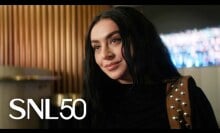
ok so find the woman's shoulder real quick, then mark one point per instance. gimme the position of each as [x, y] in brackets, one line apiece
[202, 111]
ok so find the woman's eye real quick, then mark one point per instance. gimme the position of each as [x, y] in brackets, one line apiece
[116, 41]
[96, 47]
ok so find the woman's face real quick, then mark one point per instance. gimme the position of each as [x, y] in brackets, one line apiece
[107, 45]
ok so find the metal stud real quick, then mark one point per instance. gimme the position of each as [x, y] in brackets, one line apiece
[175, 118]
[172, 107]
[177, 100]
[186, 114]
[181, 84]
[176, 89]
[171, 96]
[180, 121]
[172, 85]
[182, 93]
[183, 103]
[179, 110]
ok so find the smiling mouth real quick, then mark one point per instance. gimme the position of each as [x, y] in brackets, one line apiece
[112, 66]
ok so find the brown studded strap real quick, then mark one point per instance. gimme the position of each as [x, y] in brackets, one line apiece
[178, 103]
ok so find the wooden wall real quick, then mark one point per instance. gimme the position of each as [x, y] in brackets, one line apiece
[49, 37]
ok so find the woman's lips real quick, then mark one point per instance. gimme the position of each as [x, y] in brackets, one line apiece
[112, 66]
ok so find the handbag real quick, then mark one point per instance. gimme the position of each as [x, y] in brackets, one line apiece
[178, 103]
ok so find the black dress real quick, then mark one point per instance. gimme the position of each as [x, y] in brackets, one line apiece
[129, 107]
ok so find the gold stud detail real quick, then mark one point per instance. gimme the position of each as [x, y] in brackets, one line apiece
[177, 100]
[175, 118]
[172, 107]
[171, 96]
[178, 110]
[186, 114]
[181, 84]
[182, 93]
[176, 89]
[183, 103]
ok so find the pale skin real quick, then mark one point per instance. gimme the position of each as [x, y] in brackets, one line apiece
[107, 44]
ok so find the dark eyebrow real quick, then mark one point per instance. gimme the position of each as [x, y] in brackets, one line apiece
[111, 34]
[108, 36]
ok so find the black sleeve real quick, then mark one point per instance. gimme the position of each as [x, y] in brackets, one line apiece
[202, 113]
[85, 122]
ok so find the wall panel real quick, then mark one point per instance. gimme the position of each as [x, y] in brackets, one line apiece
[49, 37]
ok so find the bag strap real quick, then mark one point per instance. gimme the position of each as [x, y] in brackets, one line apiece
[178, 103]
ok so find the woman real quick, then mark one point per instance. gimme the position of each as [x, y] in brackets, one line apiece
[126, 66]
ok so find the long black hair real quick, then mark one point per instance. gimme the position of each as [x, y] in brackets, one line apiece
[148, 63]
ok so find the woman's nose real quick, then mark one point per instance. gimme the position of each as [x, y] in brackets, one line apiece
[107, 53]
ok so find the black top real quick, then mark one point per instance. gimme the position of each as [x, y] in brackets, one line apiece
[137, 108]
[129, 107]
